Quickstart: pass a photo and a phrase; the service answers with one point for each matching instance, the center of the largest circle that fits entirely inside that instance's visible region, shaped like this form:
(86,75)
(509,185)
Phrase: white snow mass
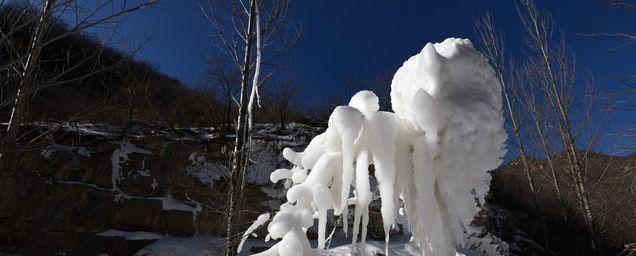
(433,153)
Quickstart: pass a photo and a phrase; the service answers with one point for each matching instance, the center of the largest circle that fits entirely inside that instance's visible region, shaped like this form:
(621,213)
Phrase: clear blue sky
(364,38)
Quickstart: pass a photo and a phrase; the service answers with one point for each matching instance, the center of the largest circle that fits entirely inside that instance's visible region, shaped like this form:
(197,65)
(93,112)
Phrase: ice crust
(433,153)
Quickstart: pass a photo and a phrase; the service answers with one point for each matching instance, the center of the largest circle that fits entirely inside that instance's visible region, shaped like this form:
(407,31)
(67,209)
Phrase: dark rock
(178,223)
(140,185)
(138,214)
(257,249)
(91,244)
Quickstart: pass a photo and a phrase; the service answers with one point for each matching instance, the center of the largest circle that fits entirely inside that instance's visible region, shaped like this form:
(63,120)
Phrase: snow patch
(170,204)
(53,148)
(134,235)
(154,185)
(204,171)
(198,245)
(120,156)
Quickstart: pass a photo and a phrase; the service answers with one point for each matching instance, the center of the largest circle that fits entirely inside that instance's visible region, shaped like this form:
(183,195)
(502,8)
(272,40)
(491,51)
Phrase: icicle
(336,184)
(363,195)
(365,224)
(425,175)
(322,228)
(384,128)
(347,122)
(323,202)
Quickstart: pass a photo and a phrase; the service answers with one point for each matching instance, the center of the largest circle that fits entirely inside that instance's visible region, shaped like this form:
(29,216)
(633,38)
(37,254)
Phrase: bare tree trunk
(581,191)
(234,24)
(553,176)
(228,114)
(282,119)
(492,43)
(565,132)
(239,161)
(555,76)
(282,113)
(254,96)
(27,78)
(526,167)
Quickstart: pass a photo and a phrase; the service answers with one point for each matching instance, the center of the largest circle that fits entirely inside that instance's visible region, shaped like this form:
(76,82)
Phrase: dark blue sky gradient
(365,38)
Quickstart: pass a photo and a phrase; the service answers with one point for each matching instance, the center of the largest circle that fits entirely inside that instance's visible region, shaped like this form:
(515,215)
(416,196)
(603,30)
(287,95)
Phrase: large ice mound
(434,153)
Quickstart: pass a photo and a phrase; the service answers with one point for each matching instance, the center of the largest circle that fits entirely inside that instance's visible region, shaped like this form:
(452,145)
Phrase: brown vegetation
(612,192)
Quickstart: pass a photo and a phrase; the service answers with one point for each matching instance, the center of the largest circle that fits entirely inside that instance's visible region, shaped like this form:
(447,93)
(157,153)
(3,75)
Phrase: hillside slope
(612,184)
(85,80)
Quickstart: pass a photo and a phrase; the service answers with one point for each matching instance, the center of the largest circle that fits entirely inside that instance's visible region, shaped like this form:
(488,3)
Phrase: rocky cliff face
(86,189)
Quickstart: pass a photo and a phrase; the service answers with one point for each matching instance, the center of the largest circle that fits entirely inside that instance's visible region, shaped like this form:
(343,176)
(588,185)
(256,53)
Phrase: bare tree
(28,74)
(627,98)
(241,28)
(492,46)
(539,125)
(283,97)
(225,81)
(553,67)
(627,37)
(380,84)
(24,65)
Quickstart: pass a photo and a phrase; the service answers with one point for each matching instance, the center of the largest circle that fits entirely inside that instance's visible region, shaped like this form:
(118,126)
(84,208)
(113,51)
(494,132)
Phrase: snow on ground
(204,245)
(200,245)
(54,148)
(135,235)
(293,135)
(169,204)
(98,129)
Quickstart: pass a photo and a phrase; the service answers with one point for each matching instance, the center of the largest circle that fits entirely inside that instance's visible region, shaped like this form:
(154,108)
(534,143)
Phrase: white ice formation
(434,153)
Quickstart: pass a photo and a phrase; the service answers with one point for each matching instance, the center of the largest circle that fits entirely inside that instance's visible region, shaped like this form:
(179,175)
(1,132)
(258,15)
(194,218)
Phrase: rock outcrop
(86,189)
